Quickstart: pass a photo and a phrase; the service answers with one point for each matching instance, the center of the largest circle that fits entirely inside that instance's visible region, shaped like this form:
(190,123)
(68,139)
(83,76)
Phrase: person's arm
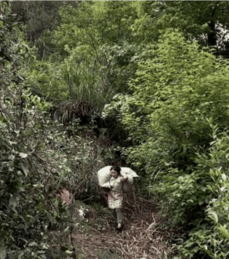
(106,185)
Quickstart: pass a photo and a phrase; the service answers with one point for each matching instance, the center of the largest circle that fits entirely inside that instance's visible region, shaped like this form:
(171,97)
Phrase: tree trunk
(212,37)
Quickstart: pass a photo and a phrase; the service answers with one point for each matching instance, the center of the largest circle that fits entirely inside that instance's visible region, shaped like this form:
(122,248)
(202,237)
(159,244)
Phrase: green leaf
(213,215)
(2,252)
(20,255)
(223,232)
(68,252)
(32,244)
(13,202)
(23,155)
(224,177)
(24,169)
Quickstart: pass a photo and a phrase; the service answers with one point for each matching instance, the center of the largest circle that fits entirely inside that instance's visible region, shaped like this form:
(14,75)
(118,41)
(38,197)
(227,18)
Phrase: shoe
(119,226)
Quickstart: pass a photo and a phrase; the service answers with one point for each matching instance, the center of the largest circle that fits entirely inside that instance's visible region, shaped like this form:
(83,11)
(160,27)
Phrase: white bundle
(104,176)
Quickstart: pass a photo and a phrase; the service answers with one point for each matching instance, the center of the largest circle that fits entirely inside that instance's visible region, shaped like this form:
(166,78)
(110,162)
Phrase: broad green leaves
(38,156)
(176,90)
(178,106)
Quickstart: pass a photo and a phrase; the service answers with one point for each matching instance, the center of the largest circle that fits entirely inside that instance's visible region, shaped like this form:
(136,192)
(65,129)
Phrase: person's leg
(119,216)
(113,212)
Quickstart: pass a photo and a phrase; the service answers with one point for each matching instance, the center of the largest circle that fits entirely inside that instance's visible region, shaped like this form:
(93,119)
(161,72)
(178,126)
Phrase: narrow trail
(141,237)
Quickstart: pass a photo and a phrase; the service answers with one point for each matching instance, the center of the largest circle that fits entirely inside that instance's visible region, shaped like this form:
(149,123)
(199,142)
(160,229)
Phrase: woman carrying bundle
(115,196)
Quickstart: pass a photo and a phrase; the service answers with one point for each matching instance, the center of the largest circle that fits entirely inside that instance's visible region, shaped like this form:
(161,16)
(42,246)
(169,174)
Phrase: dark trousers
(117,215)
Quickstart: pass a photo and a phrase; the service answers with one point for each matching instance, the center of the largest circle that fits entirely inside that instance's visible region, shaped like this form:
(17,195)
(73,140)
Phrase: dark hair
(116,168)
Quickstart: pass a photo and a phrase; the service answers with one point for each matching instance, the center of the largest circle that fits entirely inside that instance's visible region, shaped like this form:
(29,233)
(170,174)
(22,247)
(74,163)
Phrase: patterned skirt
(115,200)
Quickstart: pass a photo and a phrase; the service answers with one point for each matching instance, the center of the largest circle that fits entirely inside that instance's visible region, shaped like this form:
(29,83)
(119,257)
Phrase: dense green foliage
(178,95)
(180,98)
(38,157)
(90,60)
(157,70)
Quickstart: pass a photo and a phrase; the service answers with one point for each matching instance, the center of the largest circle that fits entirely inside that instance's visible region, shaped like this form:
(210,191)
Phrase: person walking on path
(115,196)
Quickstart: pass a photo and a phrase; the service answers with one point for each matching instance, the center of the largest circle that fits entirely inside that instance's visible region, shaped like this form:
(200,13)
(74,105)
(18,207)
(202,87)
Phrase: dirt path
(141,237)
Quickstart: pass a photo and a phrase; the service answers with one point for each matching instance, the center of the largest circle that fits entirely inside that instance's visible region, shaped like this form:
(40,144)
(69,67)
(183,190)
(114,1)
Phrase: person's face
(114,173)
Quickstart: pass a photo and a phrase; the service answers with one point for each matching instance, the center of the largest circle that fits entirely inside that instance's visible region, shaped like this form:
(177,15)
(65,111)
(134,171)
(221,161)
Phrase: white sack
(128,171)
(104,176)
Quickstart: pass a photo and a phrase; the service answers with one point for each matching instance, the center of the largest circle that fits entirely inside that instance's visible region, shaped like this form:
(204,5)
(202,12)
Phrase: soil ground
(142,236)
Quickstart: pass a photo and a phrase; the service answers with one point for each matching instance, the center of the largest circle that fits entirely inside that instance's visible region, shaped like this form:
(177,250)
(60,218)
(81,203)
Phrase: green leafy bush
(180,91)
(37,156)
(210,235)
